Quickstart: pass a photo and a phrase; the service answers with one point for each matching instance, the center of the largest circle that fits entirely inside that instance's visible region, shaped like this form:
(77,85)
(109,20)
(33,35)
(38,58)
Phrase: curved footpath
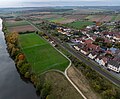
(71,80)
(64,73)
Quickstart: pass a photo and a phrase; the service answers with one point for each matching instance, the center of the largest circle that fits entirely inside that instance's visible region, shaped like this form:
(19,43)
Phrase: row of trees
(97,82)
(23,66)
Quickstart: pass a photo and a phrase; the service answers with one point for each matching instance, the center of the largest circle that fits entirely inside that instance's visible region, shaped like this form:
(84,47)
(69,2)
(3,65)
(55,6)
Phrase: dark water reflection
(11,85)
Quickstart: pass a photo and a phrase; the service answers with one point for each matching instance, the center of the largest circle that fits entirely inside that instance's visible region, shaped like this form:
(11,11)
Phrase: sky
(38,3)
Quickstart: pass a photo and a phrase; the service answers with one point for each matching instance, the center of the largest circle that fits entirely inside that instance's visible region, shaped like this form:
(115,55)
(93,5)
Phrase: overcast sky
(15,3)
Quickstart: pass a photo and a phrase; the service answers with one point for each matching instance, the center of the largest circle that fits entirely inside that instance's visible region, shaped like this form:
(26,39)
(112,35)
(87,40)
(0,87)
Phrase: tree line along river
(11,84)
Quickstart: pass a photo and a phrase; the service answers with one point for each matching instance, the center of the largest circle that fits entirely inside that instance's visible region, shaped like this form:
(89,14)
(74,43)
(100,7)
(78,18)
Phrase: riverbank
(43,87)
(12,86)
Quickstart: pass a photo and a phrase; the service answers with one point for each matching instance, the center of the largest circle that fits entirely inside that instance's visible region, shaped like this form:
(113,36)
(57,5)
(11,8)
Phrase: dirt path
(81,82)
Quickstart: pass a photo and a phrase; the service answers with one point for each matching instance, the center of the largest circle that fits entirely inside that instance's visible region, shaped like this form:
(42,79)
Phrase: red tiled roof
(107,40)
(108,52)
(92,46)
(89,41)
(104,59)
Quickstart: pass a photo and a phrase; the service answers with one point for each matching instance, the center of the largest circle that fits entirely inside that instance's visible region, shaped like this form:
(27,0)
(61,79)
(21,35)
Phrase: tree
(21,57)
(27,74)
(34,79)
(14,52)
(117,45)
(45,91)
(24,68)
(20,63)
(39,87)
(99,39)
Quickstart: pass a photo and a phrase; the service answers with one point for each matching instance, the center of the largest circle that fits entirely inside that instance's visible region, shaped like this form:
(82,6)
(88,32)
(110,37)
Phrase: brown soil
(78,78)
(21,28)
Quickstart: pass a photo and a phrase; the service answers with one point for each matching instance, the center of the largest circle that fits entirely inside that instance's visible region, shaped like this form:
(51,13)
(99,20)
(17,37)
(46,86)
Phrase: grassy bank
(50,85)
(61,87)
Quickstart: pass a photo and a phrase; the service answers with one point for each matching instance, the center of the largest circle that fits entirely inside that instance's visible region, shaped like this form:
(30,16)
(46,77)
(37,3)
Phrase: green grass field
(117,18)
(113,18)
(79,24)
(56,20)
(16,23)
(40,54)
(89,17)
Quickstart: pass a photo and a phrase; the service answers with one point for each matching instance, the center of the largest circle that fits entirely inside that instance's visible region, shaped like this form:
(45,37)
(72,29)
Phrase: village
(99,42)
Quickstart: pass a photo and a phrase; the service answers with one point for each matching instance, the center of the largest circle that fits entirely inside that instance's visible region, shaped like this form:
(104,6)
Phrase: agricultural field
(61,20)
(57,20)
(86,11)
(101,18)
(37,22)
(47,16)
(67,21)
(79,24)
(113,18)
(13,23)
(40,54)
(21,28)
(117,18)
(18,26)
(108,18)
(75,17)
(96,18)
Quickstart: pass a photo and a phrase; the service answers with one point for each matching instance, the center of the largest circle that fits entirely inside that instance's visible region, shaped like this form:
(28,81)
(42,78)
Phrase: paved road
(84,59)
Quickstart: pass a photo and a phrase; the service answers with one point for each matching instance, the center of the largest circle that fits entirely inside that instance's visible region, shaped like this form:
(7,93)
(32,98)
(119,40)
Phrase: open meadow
(40,54)
(61,87)
(79,24)
(12,23)
(18,26)
(57,20)
(117,18)
(101,18)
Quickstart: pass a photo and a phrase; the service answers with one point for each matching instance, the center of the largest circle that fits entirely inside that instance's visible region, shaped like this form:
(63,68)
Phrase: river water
(11,85)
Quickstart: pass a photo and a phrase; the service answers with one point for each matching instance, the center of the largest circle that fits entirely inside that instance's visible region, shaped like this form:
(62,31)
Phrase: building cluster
(97,44)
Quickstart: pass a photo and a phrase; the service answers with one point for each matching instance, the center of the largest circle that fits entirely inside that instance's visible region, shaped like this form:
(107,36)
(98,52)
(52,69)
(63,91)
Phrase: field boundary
(65,72)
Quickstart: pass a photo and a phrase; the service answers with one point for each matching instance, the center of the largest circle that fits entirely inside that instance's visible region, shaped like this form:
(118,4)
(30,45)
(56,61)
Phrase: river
(11,84)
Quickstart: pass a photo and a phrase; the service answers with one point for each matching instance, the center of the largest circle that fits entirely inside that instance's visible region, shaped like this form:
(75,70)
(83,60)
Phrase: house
(77,48)
(108,36)
(84,51)
(93,47)
(117,37)
(101,60)
(98,59)
(113,50)
(92,55)
(114,66)
(89,41)
(93,37)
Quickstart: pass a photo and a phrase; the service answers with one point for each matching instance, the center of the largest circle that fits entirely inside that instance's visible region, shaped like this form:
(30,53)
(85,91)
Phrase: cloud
(38,3)
(58,0)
